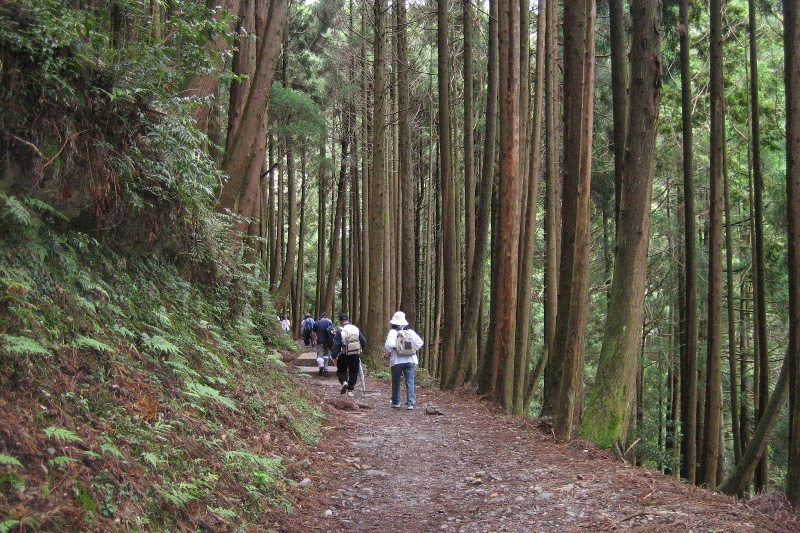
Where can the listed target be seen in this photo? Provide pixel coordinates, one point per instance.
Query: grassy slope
(131, 399)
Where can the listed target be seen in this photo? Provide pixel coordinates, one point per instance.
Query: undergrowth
(132, 399)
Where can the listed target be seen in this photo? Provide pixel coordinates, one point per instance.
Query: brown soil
(472, 469)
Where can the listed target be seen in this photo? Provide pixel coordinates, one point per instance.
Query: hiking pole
(361, 376)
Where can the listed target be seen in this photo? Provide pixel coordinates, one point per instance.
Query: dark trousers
(347, 369)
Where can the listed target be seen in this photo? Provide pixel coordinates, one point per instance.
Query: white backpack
(351, 342)
(404, 345)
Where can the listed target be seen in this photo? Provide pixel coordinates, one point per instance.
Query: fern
(17, 213)
(199, 390)
(61, 434)
(152, 458)
(45, 207)
(8, 460)
(22, 345)
(159, 344)
(223, 513)
(180, 494)
(6, 525)
(183, 370)
(122, 330)
(92, 344)
(110, 449)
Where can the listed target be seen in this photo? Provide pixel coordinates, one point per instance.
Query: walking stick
(361, 376)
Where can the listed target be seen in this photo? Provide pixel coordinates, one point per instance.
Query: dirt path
(470, 469)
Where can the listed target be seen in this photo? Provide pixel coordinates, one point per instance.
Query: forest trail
(472, 469)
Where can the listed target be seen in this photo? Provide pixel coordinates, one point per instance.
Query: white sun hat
(399, 319)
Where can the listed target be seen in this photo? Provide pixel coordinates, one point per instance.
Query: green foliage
(61, 434)
(22, 345)
(294, 115)
(9, 460)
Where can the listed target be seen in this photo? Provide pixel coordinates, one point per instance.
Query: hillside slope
(133, 400)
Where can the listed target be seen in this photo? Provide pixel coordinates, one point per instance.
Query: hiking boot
(321, 371)
(395, 406)
(350, 393)
(344, 388)
(410, 407)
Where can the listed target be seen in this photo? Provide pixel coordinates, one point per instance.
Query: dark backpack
(308, 325)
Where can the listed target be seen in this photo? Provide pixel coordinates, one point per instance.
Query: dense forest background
(587, 209)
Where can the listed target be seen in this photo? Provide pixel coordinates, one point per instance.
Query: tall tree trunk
(619, 94)
(469, 142)
(740, 477)
(713, 400)
(244, 66)
(408, 273)
(689, 333)
(299, 299)
(206, 84)
(552, 217)
(451, 282)
(733, 363)
(377, 190)
(337, 235)
(282, 291)
(606, 416)
(579, 55)
(503, 310)
(248, 146)
(523, 393)
(760, 307)
(322, 225)
(467, 363)
(791, 41)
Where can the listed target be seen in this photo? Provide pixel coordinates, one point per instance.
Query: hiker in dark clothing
(323, 337)
(307, 328)
(347, 346)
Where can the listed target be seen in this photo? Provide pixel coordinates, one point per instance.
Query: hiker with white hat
(403, 344)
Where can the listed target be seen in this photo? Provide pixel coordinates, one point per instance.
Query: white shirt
(391, 342)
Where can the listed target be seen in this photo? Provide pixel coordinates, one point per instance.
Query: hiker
(347, 346)
(306, 328)
(402, 343)
(323, 338)
(285, 324)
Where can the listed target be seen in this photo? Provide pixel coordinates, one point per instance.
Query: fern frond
(199, 390)
(44, 206)
(151, 458)
(23, 345)
(92, 344)
(8, 460)
(14, 210)
(61, 434)
(159, 344)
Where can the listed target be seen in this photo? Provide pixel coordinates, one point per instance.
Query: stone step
(308, 359)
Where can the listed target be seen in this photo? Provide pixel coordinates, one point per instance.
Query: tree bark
(467, 364)
(689, 333)
(619, 94)
(377, 190)
(606, 417)
(579, 56)
(248, 145)
(713, 401)
(522, 393)
(791, 40)
(280, 294)
(408, 223)
(743, 472)
(552, 218)
(452, 283)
